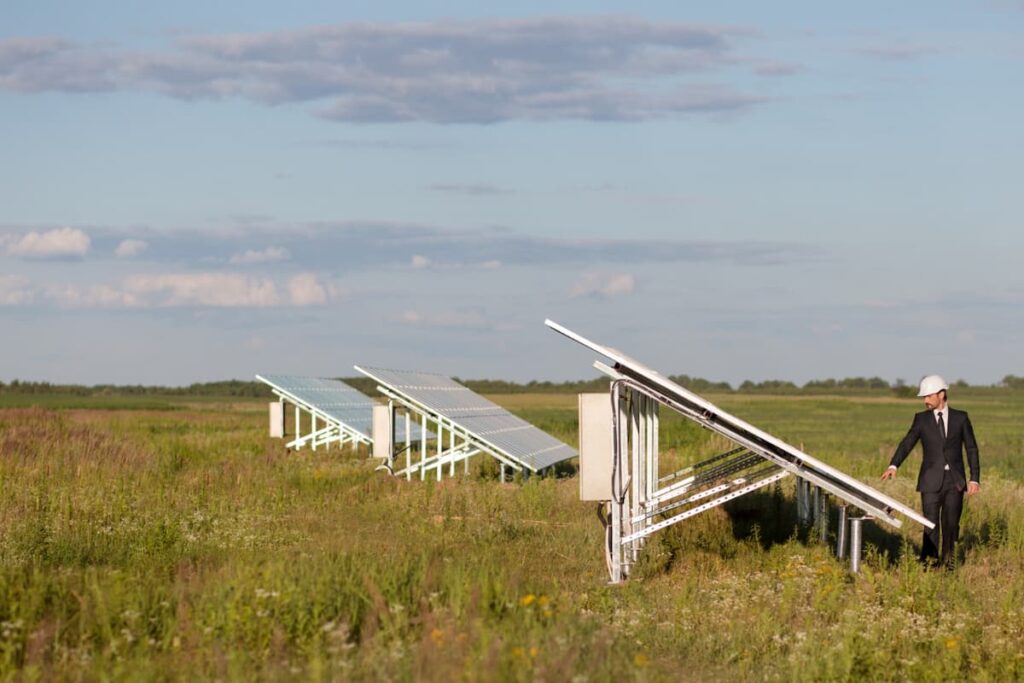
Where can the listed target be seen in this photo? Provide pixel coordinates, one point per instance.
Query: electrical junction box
(276, 420)
(596, 446)
(382, 432)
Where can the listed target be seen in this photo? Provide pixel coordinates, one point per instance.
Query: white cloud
(479, 71)
(15, 290)
(464, 320)
(217, 290)
(59, 243)
(130, 248)
(603, 285)
(95, 296)
(306, 290)
(420, 262)
(204, 289)
(268, 255)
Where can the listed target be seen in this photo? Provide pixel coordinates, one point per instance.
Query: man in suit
(945, 433)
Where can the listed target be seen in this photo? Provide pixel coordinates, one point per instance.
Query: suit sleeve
(907, 445)
(971, 444)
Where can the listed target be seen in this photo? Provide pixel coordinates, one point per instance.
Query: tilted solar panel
(785, 455)
(488, 422)
(334, 399)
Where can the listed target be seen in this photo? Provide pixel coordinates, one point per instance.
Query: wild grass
(181, 544)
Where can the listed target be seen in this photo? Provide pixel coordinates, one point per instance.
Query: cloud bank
(178, 290)
(61, 243)
(603, 286)
(480, 71)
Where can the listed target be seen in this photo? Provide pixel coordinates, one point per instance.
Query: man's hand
(973, 487)
(889, 473)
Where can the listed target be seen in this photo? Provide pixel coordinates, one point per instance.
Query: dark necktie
(942, 426)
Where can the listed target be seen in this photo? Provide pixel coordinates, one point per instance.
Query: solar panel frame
(352, 409)
(346, 406)
(496, 429)
(793, 459)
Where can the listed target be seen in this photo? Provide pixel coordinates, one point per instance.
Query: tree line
(252, 389)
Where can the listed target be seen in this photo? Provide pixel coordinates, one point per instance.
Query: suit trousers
(943, 508)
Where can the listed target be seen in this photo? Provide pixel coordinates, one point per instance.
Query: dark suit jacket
(939, 453)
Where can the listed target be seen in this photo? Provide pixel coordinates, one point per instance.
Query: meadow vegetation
(172, 540)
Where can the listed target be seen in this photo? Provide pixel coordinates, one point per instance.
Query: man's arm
(971, 444)
(903, 450)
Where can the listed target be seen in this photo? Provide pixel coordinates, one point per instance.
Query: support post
(823, 515)
(440, 449)
(408, 446)
(856, 539)
(391, 441)
(841, 533)
(801, 502)
(451, 447)
(423, 447)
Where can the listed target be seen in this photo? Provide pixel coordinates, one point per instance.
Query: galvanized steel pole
(855, 543)
(841, 533)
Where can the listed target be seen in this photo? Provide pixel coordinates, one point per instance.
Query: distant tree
(1013, 382)
(769, 386)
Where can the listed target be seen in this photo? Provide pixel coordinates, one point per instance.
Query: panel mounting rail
(644, 501)
(465, 424)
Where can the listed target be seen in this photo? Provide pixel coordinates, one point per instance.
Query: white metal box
(276, 420)
(596, 446)
(381, 432)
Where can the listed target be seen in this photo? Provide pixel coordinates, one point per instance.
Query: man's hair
(945, 395)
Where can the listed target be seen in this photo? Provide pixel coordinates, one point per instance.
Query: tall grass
(183, 544)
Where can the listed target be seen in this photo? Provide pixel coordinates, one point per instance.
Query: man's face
(934, 401)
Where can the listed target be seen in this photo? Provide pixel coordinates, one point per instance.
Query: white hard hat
(932, 384)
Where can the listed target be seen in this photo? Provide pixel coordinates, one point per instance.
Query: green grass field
(147, 539)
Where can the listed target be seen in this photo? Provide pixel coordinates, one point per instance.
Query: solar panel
(332, 398)
(347, 412)
(493, 428)
(775, 450)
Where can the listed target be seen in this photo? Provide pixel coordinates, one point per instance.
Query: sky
(200, 191)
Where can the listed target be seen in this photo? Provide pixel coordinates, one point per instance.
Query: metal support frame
(841, 532)
(636, 391)
(642, 497)
(433, 454)
(329, 432)
(856, 542)
(824, 512)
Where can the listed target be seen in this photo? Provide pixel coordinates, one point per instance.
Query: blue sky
(201, 191)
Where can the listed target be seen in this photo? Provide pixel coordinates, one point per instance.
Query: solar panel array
(485, 420)
(790, 458)
(330, 397)
(334, 399)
